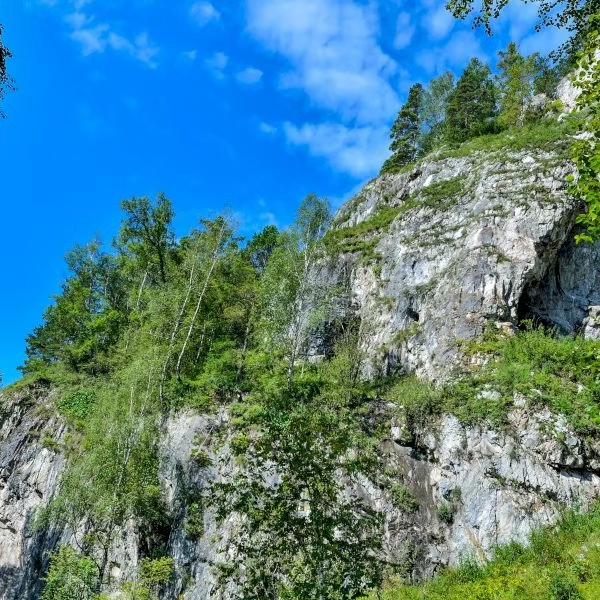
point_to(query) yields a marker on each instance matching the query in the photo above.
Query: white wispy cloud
(438, 22)
(217, 63)
(544, 41)
(204, 12)
(454, 53)
(335, 58)
(333, 52)
(249, 75)
(405, 30)
(267, 128)
(96, 37)
(190, 55)
(359, 151)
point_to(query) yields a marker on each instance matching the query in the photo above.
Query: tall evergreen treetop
(406, 131)
(472, 106)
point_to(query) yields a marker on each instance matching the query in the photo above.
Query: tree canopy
(6, 82)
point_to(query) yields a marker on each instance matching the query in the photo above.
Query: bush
(194, 525)
(71, 576)
(563, 588)
(403, 498)
(157, 572)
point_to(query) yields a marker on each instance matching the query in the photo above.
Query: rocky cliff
(427, 259)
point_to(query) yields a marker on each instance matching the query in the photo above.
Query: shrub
(71, 576)
(403, 498)
(194, 525)
(563, 588)
(446, 513)
(155, 573)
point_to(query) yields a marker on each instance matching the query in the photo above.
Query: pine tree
(472, 106)
(406, 131)
(547, 76)
(516, 79)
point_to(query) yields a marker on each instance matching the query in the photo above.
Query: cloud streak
(96, 37)
(204, 13)
(334, 58)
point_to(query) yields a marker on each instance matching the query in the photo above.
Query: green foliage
(472, 105)
(5, 80)
(154, 573)
(77, 405)
(403, 498)
(586, 151)
(545, 134)
(194, 524)
(562, 562)
(406, 131)
(563, 588)
(363, 237)
(446, 513)
(547, 77)
(441, 193)
(572, 15)
(71, 577)
(146, 232)
(434, 111)
(261, 247)
(87, 318)
(560, 373)
(516, 77)
(356, 238)
(300, 536)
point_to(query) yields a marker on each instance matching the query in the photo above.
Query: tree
(303, 534)
(406, 131)
(287, 297)
(586, 151)
(434, 110)
(6, 82)
(573, 15)
(516, 77)
(82, 326)
(547, 76)
(146, 232)
(261, 247)
(71, 577)
(472, 105)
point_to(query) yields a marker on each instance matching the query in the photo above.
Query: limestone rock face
(30, 470)
(477, 240)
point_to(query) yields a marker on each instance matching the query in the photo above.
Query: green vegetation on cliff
(561, 563)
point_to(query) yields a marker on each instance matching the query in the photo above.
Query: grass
(364, 237)
(561, 563)
(360, 238)
(558, 372)
(541, 134)
(538, 135)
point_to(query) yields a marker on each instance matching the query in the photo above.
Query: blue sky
(247, 105)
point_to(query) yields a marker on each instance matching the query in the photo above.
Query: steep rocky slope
(431, 256)
(426, 258)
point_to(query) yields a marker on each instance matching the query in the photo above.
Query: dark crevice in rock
(561, 298)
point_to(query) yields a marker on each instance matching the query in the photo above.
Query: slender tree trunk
(213, 263)
(178, 323)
